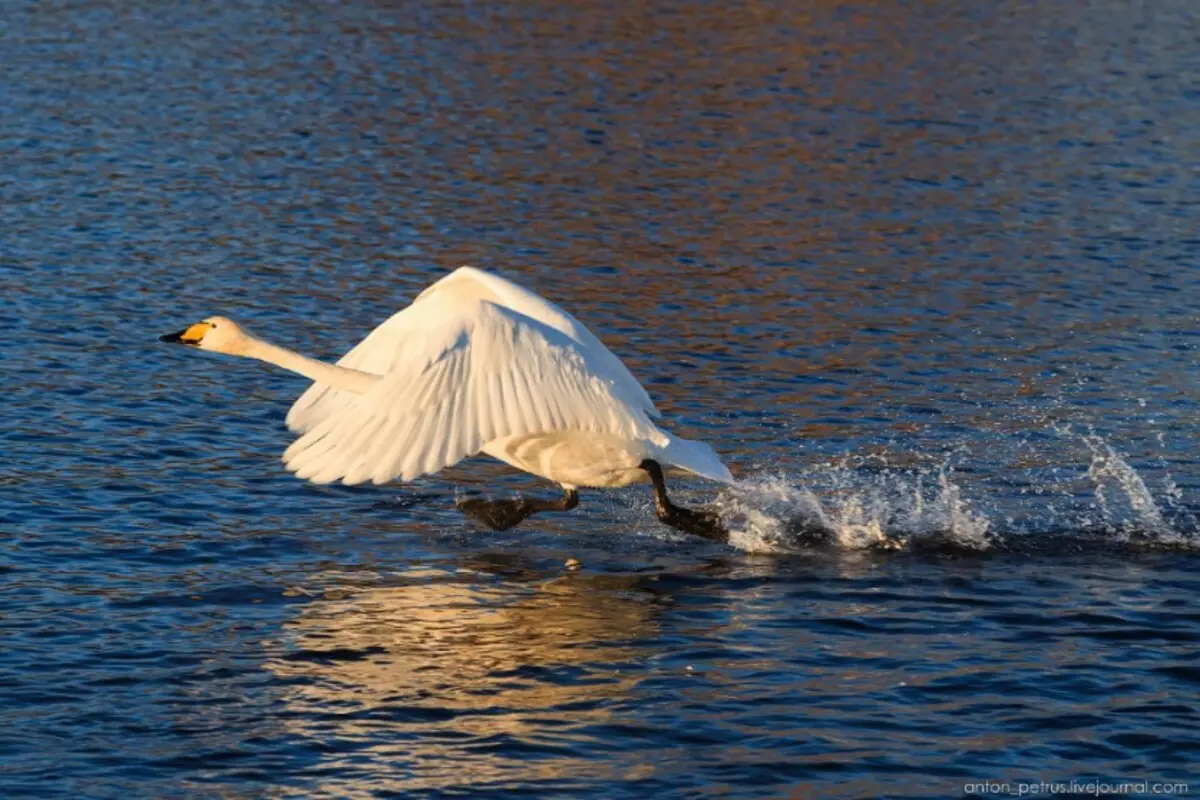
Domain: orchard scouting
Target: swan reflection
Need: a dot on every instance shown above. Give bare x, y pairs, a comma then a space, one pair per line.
447, 681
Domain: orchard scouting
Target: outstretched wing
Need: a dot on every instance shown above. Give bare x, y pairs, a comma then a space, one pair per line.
387, 348
467, 374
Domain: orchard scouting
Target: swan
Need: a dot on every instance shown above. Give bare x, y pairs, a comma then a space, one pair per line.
478, 364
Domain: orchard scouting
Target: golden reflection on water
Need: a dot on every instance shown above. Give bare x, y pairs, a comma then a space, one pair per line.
424, 675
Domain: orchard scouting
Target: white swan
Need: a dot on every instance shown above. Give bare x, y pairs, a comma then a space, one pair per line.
477, 364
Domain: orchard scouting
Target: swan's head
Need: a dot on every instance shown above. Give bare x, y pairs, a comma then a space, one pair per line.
217, 334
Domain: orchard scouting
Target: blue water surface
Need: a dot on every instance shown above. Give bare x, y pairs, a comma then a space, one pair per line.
926, 274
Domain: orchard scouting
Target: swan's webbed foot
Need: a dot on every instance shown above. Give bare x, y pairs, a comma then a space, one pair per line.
699, 523
500, 515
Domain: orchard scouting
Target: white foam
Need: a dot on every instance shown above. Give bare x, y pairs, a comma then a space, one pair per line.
867, 504
841, 507
1123, 500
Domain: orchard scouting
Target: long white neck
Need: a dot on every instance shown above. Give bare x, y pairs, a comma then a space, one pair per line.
350, 380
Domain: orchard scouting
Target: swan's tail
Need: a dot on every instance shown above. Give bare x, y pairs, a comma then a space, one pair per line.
696, 457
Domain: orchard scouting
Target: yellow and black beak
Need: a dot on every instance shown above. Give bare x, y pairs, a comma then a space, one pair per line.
189, 335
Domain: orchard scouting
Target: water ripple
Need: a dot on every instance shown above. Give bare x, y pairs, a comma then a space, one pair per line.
924, 276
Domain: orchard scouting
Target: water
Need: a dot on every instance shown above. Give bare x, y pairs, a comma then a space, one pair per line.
925, 274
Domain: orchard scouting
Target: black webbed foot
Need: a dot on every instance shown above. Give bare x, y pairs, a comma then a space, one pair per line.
698, 523
500, 515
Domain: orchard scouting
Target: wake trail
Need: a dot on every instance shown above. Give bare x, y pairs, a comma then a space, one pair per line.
846, 505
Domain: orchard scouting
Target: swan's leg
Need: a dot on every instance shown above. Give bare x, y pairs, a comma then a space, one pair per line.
500, 515
700, 523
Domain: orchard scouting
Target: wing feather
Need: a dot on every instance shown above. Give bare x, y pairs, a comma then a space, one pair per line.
468, 417
493, 404
475, 374
392, 461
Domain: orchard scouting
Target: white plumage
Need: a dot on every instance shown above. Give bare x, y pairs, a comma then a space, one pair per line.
474, 364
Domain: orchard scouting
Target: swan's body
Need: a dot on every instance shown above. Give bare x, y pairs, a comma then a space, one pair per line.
476, 364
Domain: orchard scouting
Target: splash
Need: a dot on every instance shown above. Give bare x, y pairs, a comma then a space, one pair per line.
1124, 502
846, 508
1102, 502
